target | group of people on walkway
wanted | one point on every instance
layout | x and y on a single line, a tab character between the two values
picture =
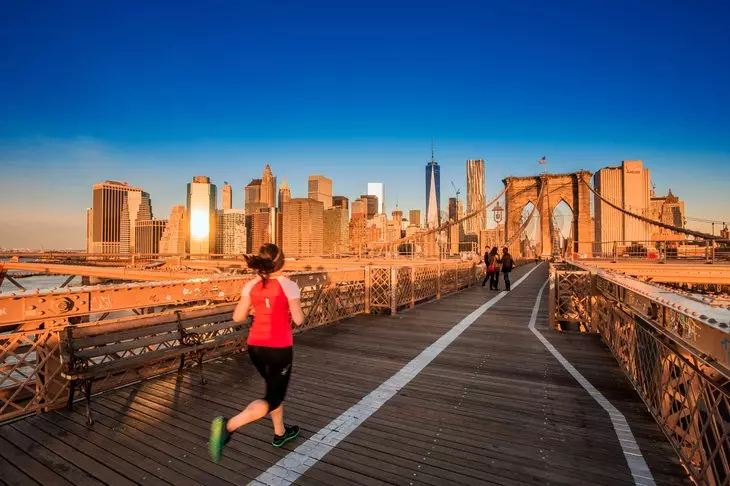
497	263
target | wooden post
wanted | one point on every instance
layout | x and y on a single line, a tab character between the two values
438	282
393	290
368	284
413	286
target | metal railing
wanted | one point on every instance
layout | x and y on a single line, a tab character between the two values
30	363
675	351
660	250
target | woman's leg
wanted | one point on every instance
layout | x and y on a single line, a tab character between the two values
221	428
277	418
254	411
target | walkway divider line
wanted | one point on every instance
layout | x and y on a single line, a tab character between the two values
293	465
637	465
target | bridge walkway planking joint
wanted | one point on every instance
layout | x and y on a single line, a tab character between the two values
494	407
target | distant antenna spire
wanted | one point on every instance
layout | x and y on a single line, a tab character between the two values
432	158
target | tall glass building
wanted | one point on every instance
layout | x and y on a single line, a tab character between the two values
433	194
201	215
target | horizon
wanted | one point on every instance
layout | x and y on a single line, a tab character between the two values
158	94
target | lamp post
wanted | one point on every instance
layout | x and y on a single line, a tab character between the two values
498	215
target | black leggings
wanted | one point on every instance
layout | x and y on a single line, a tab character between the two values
274	365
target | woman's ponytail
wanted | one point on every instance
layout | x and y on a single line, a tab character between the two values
269	260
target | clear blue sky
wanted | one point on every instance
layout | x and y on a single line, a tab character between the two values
157	92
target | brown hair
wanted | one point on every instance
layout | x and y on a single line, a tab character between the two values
269	260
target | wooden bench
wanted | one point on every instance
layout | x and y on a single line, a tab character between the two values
93	351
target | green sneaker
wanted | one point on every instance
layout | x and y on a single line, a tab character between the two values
219	437
292	432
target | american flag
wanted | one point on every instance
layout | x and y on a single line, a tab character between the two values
542	160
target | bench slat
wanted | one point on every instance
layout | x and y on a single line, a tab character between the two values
134	362
128	345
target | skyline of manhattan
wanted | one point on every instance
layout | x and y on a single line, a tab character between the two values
317	92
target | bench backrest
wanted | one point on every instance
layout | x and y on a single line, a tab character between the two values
98	343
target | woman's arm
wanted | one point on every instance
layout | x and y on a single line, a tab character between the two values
242	309
297	315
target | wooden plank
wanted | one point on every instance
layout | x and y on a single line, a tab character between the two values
81	443
139	454
194	454
39	463
10	475
158	451
79	467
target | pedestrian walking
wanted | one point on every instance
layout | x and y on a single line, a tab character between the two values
507	265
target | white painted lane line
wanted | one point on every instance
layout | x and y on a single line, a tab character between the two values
637	465
294	464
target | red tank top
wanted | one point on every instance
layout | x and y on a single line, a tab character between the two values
272	318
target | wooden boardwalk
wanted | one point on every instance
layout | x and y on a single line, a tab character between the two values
495	407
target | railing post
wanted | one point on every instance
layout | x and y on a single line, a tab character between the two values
393	290
438	282
552	296
413	286
457	277
368	285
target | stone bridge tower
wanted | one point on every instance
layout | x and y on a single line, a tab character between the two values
558	187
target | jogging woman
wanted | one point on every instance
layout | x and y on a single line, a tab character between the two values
275	301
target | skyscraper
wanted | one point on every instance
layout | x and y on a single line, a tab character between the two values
201	215
414	217
136	206
372	204
628	186
231	232
340	202
107	215
284	195
89	228
268	188
475	196
227	196
303	228
336	231
359	208
174	238
668	209
320	189
433	193
148	233
453	209
263	228
253	196
377	189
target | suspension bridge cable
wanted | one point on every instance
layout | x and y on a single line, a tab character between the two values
696	234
